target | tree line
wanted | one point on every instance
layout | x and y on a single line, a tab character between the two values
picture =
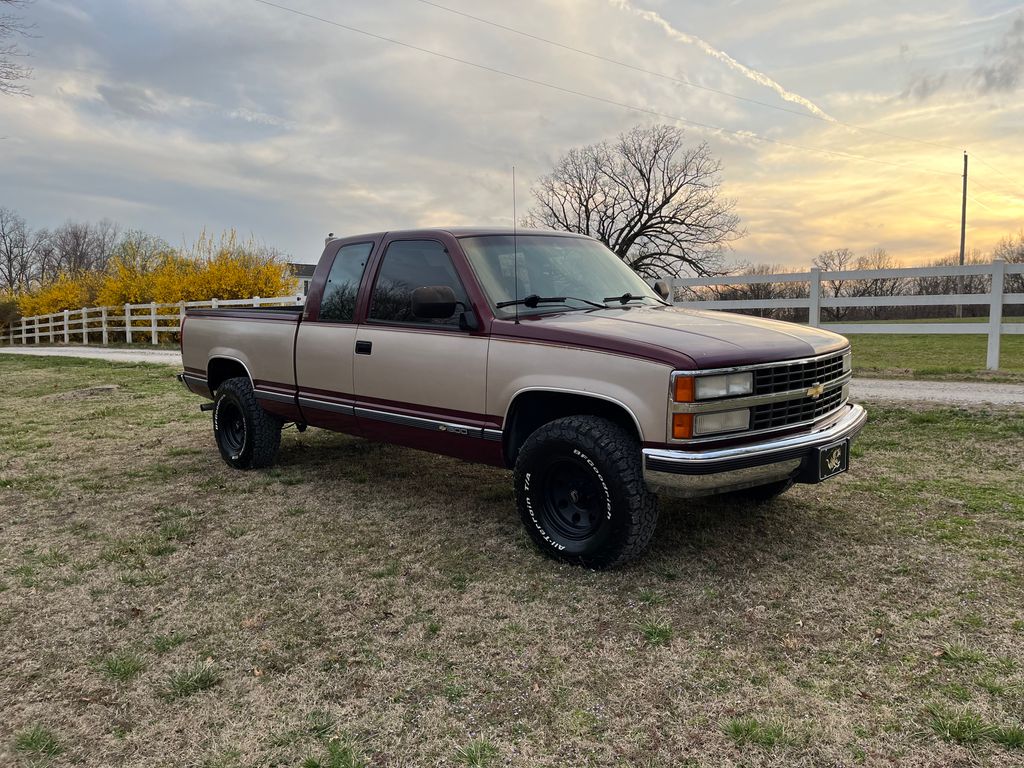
83	264
1009	248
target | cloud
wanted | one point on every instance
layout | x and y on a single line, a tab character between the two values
130	100
172	115
752	74
923	87
1004	63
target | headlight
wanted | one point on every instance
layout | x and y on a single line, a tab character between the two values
723	421
727	385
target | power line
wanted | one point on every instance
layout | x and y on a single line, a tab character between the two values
684	81
691	84
603	99
992	167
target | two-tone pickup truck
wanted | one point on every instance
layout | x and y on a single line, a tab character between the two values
537	351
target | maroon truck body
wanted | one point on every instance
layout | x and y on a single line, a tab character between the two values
713	402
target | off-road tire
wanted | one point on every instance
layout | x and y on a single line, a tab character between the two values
760	494
592	465
248	437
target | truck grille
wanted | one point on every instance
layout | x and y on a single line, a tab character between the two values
795	411
787	376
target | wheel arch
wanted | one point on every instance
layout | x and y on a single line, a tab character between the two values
533	407
220	368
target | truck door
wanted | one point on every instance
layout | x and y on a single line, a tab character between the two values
325	343
419	382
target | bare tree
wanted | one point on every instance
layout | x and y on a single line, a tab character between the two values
835	260
879	286
11	72
652	200
17	253
77	247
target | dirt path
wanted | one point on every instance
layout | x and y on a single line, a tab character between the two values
950	392
114	354
879	390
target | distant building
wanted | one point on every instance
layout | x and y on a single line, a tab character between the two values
304	274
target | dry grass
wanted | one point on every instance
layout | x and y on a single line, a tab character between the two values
367	605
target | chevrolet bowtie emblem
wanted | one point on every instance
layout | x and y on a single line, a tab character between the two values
816	390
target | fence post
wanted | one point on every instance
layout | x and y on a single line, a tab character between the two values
103	326
214	303
67	320
24	331
995	313
152	322
85	325
814	296
127	323
256	301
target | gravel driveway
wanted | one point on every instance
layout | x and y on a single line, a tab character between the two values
878	390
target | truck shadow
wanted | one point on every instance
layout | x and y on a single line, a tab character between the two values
459	501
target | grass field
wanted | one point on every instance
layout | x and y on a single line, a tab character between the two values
368	605
939	356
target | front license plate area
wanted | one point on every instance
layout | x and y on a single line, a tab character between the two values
833	459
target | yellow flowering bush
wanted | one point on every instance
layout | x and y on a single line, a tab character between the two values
144	270
65	292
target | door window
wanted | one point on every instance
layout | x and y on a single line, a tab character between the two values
339	300
411	264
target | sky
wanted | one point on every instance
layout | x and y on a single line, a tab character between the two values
178	115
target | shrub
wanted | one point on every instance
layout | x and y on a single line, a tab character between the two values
8	311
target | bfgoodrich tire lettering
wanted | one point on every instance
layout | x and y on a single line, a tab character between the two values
248	437
581	495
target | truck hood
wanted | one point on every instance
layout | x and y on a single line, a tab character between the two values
684	338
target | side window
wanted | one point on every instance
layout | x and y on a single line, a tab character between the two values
339	300
410	264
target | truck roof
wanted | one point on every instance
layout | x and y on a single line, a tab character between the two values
468	231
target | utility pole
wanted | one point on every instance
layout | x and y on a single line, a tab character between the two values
963	236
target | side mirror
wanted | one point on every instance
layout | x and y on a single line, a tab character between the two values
433	302
661	288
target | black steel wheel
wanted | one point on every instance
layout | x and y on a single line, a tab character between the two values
581	493
248	437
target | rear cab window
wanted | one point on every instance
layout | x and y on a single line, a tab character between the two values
338	303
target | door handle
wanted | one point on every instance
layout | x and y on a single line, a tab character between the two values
364	347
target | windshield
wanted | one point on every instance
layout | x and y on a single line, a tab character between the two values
574	267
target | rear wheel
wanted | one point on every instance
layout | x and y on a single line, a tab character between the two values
581	493
248	437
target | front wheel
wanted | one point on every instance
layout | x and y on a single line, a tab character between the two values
248	437
581	493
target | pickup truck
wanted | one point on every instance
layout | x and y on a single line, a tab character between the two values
536	351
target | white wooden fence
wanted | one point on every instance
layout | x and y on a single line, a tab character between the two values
995	299
130	323
134	323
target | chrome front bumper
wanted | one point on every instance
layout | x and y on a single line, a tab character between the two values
702	473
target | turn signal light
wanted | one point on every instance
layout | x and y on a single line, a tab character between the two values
683	390
682	425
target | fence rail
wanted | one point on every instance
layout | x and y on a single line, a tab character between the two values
130	323
996	298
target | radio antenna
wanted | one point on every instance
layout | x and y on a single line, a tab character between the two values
515	248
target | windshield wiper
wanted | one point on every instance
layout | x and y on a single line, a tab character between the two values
533	300
625	298
628	297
